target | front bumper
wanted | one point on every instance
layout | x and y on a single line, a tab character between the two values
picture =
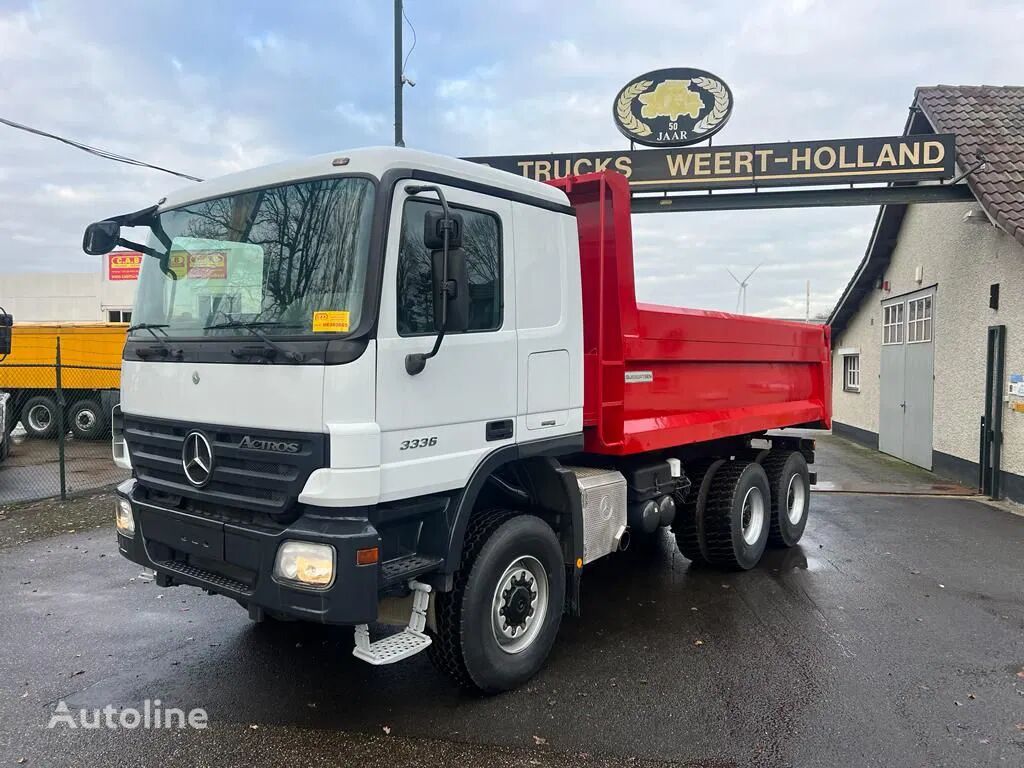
237	560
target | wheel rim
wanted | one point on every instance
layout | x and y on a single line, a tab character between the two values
85	420
39	418
520	604
753	515
796	499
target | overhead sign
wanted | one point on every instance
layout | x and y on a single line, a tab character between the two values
798	163
672	107
123	265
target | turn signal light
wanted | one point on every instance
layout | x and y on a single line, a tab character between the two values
367	556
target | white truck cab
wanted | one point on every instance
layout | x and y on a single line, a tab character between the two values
283	451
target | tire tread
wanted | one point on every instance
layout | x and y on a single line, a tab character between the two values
717	514
685	525
446	650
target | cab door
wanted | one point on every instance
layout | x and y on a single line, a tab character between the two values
436	426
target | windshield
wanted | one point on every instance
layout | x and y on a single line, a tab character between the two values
289	260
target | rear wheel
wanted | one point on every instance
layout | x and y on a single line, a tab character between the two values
39	417
791	496
689	524
496	627
737	515
87	420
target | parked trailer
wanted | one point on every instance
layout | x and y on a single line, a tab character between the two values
388	386
90	355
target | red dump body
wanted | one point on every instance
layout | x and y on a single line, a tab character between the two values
658	377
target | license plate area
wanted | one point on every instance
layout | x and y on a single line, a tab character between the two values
185	533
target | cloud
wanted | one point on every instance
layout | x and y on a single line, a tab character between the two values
369	123
217	89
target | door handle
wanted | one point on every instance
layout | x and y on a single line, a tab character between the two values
903	406
499	430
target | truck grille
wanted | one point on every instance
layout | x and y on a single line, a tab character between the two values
244	478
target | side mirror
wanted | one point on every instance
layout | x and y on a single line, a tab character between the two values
101	237
453	297
6	321
433	230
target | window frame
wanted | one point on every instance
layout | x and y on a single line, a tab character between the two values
922	323
120	313
848	369
900	334
500	266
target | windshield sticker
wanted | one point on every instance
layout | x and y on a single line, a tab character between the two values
330	321
199	265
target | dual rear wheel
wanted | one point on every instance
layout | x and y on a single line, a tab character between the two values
735	509
85	418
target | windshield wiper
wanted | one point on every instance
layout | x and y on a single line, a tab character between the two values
253	327
164	347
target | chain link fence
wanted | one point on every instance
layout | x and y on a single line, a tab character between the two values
57	412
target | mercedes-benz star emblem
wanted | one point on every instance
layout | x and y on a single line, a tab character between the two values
197	459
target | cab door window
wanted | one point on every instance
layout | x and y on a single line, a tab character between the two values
481	242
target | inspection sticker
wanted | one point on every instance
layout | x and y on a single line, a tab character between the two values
330	321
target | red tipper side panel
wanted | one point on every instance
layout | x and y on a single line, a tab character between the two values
658	377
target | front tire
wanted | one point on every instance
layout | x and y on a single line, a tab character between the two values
737	515
496	627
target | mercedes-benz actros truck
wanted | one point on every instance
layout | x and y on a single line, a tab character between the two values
385	380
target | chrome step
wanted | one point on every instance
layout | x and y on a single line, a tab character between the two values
400	645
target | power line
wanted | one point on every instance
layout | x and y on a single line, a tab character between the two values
413	48
96	151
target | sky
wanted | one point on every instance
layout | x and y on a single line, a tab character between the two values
210	88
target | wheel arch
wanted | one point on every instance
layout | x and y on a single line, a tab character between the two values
553	494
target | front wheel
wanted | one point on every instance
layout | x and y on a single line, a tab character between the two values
494	630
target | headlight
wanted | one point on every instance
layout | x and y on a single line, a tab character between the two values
124	517
305	564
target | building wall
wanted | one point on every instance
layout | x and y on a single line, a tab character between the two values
63	297
962	259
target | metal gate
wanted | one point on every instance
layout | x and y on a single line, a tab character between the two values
907	377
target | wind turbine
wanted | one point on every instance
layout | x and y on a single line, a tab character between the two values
741	295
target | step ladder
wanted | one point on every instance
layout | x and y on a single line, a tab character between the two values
400	645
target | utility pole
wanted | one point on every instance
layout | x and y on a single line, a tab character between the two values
808	318
399	141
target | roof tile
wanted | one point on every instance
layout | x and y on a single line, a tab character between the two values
989	125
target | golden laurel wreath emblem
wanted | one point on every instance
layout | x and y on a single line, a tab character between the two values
721	108
624	111
632	123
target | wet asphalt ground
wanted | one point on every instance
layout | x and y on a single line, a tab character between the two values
892	636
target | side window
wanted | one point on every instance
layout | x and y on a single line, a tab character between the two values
892	324
481	241
851	373
919	320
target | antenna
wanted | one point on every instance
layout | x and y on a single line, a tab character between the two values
741	295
